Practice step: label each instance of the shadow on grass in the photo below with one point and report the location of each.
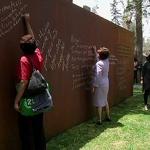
(77, 137)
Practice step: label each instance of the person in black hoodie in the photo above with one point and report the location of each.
(146, 80)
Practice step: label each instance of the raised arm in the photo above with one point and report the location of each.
(28, 25)
(95, 53)
(28, 37)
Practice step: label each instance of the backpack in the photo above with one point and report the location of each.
(37, 97)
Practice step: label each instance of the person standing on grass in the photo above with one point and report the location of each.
(146, 80)
(101, 83)
(30, 127)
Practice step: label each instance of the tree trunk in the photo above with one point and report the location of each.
(139, 32)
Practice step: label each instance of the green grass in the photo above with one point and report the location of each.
(129, 130)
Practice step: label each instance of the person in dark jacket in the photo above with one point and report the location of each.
(146, 80)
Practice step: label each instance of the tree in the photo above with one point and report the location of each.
(116, 14)
(127, 16)
(137, 9)
(94, 9)
(139, 30)
(146, 47)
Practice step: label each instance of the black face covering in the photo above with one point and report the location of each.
(28, 48)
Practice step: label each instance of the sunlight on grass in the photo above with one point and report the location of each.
(129, 130)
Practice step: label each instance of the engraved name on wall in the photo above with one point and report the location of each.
(10, 16)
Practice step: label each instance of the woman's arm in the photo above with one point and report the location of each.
(94, 51)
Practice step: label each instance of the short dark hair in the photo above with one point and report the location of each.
(28, 48)
(103, 53)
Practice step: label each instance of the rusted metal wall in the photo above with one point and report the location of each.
(65, 33)
(69, 1)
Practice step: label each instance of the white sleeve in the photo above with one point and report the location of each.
(98, 74)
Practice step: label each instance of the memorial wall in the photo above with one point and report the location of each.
(65, 33)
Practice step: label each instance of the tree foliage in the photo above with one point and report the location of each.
(116, 13)
(146, 47)
(132, 17)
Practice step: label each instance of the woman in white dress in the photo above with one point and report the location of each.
(101, 83)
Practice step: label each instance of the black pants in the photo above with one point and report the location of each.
(146, 94)
(32, 132)
(135, 76)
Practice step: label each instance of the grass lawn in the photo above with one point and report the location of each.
(129, 130)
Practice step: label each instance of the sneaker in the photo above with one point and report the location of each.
(146, 108)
